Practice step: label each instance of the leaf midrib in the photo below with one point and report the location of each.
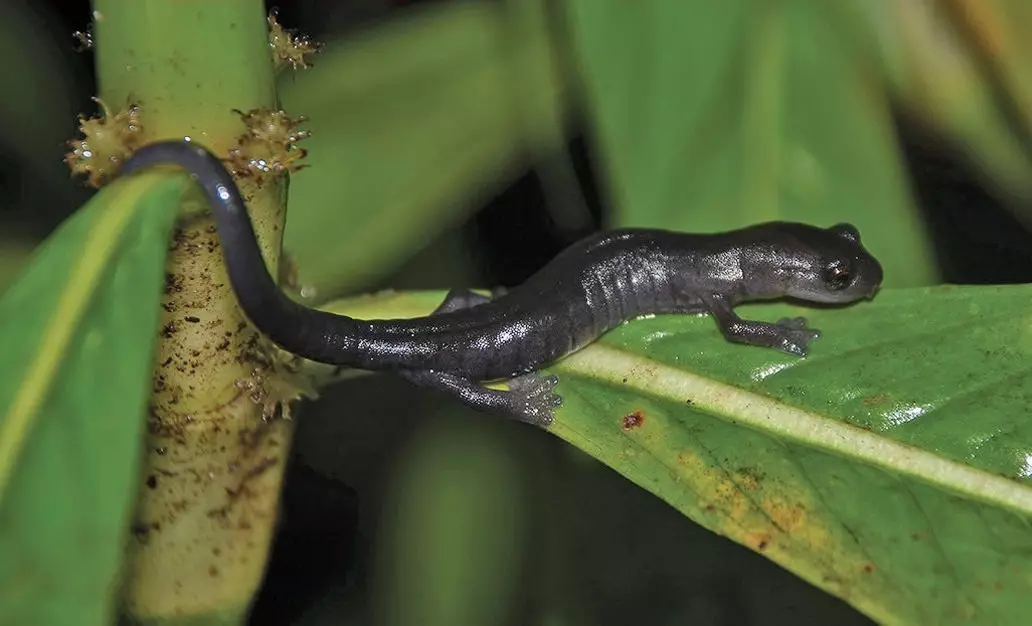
(759, 412)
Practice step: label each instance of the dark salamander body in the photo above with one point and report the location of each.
(589, 288)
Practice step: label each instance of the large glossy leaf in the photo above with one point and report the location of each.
(891, 467)
(412, 124)
(77, 331)
(714, 115)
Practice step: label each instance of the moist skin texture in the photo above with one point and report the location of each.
(592, 286)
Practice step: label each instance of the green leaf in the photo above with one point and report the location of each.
(891, 467)
(413, 124)
(78, 330)
(714, 115)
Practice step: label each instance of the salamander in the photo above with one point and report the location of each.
(592, 286)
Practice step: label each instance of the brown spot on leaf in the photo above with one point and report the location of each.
(749, 478)
(633, 420)
(758, 541)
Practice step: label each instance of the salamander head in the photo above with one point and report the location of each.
(827, 265)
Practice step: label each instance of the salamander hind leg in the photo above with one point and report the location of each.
(531, 398)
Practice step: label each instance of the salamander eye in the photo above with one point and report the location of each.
(837, 276)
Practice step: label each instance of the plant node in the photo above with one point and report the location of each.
(268, 147)
(107, 142)
(288, 47)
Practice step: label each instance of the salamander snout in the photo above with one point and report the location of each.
(830, 265)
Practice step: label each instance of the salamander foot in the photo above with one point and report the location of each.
(533, 399)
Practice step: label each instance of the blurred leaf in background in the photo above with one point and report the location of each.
(414, 126)
(710, 116)
(961, 68)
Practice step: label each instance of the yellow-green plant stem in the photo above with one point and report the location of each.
(213, 465)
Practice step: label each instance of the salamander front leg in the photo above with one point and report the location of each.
(530, 398)
(788, 335)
